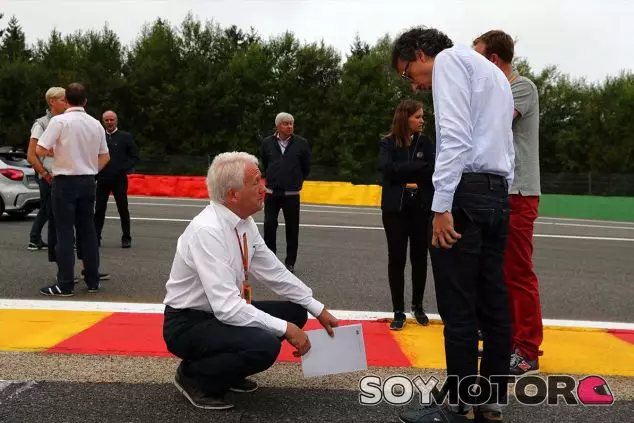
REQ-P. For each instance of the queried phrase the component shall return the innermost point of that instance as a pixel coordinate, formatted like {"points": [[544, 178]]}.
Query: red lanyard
{"points": [[246, 287]]}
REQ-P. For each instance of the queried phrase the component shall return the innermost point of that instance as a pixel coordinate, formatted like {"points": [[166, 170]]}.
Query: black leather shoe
{"points": [[126, 243], [399, 321], [198, 399], [291, 268], [245, 385]]}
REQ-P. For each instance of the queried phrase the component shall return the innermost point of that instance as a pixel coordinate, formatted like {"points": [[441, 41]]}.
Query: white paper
{"points": [[343, 353]]}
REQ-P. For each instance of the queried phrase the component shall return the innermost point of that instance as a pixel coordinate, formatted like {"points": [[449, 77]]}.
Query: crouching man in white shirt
{"points": [[210, 322]]}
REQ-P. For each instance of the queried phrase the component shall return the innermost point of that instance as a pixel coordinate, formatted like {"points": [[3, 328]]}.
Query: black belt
{"points": [[484, 178]]}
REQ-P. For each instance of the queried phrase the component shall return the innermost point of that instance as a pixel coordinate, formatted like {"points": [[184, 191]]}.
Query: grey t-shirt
{"points": [[36, 132], [526, 136]]}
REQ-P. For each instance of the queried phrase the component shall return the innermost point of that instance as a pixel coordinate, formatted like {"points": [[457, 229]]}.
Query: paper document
{"points": [[342, 354]]}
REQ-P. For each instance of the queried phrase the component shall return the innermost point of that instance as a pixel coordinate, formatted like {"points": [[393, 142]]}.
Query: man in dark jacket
{"points": [[114, 177], [285, 164]]}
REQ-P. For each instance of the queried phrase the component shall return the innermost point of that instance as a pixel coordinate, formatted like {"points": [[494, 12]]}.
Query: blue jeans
{"points": [[43, 213], [73, 204]]}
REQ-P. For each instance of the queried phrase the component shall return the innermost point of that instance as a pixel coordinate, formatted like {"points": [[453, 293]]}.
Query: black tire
{"points": [[21, 214]]}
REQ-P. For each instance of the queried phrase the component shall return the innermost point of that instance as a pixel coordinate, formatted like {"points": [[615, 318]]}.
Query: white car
{"points": [[19, 190]]}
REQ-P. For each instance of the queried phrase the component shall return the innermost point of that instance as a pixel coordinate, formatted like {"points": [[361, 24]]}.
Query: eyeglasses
{"points": [[404, 74]]}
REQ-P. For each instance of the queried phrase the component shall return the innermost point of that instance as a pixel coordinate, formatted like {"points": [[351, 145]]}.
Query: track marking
{"points": [[113, 307], [378, 228]]}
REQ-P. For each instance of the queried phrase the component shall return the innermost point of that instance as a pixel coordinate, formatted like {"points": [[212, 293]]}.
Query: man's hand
{"points": [[328, 321], [444, 234], [298, 339], [48, 178]]}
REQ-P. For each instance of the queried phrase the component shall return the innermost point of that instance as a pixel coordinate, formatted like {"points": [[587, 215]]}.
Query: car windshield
{"points": [[15, 159]]}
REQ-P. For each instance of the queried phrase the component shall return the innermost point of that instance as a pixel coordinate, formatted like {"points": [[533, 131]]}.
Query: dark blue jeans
{"points": [[469, 280], [73, 204], [43, 213]]}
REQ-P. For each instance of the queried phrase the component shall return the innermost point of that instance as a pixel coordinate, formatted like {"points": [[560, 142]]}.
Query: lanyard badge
{"points": [[246, 287]]}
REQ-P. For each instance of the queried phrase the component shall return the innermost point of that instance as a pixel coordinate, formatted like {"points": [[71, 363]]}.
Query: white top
{"points": [[77, 140], [36, 132], [473, 108], [207, 272]]}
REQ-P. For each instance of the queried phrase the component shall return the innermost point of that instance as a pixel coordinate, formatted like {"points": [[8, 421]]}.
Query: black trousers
{"points": [[469, 280], [118, 186], [73, 203], [413, 225], [216, 355], [43, 213], [289, 204]]}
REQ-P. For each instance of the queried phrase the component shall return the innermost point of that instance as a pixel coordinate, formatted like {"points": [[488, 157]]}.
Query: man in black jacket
{"points": [[114, 177], [285, 164]]}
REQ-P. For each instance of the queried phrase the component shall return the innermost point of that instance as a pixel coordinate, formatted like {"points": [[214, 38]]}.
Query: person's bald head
{"points": [[110, 120]]}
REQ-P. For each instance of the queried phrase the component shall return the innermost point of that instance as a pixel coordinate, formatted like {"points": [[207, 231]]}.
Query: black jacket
{"points": [[285, 172], [400, 166], [123, 154]]}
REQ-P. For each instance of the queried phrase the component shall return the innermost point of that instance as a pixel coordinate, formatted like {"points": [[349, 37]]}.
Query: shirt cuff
{"points": [[278, 326], [442, 202], [315, 307]]}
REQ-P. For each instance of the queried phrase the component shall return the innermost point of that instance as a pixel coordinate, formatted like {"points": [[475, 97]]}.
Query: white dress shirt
{"points": [[207, 272], [77, 140], [473, 107]]}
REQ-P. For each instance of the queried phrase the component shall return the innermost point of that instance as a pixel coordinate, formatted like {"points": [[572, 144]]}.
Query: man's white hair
{"points": [[283, 117], [226, 172], [54, 93]]}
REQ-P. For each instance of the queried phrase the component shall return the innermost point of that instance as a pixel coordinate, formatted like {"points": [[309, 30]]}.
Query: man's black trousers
{"points": [[469, 280], [289, 204], [118, 186], [216, 355]]}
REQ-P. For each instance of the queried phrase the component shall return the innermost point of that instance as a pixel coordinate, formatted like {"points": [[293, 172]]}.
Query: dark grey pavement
{"points": [[149, 403], [586, 268]]}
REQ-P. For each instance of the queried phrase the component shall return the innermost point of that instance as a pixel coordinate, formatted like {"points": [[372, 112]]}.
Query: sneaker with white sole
{"points": [[521, 366]]}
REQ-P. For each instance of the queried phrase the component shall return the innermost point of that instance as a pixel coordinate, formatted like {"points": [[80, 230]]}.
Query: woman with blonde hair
{"points": [[407, 158]]}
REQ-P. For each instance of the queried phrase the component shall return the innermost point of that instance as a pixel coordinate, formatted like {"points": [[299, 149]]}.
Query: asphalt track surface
{"points": [[586, 268]]}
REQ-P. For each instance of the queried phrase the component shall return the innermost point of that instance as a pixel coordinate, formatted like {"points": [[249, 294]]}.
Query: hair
{"points": [[283, 117], [226, 172], [75, 94], [54, 93], [497, 42], [400, 123], [431, 41]]}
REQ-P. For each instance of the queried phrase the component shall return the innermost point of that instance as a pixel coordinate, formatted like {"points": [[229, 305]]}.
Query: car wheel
{"points": [[18, 213], [1, 206]]}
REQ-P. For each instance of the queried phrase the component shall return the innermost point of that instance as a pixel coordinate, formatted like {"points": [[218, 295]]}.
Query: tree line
{"points": [[197, 89]]}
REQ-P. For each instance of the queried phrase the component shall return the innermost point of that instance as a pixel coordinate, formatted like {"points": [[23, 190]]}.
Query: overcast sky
{"points": [[584, 38]]}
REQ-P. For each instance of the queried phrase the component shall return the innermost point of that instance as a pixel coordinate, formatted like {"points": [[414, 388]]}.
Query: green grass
{"points": [[587, 207]]}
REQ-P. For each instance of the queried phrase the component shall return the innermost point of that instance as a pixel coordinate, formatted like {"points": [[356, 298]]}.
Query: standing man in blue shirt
{"points": [[473, 106]]}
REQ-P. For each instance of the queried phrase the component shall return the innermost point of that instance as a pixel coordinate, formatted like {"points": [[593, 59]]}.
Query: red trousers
{"points": [[521, 281]]}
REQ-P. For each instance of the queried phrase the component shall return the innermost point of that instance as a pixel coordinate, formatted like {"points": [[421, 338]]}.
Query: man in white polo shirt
{"points": [[78, 145]]}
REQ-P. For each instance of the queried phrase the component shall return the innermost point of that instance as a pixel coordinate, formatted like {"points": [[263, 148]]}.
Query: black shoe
{"points": [[198, 399], [126, 243], [488, 416], [102, 276], [56, 291], [245, 385], [419, 315], [36, 246], [435, 414], [399, 321], [291, 268]]}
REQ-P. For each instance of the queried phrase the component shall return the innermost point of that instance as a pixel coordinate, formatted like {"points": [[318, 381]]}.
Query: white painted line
{"points": [[377, 228], [91, 306], [21, 387], [582, 225], [201, 206]]}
